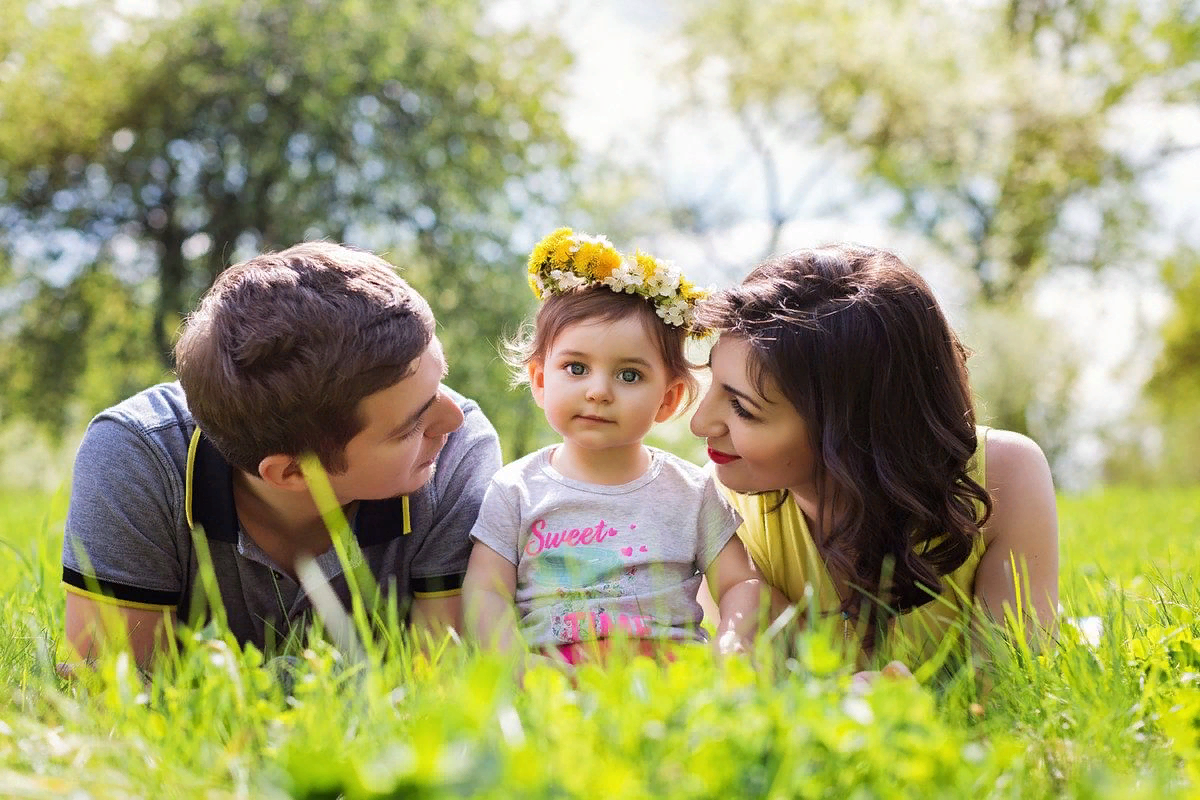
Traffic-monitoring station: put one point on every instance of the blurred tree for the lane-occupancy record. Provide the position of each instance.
(150, 152)
(1023, 375)
(75, 347)
(1175, 385)
(1013, 135)
(1009, 130)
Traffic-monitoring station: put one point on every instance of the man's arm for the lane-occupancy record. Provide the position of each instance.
(464, 471)
(435, 616)
(121, 569)
(94, 627)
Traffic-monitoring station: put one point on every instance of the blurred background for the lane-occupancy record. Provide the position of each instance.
(1037, 160)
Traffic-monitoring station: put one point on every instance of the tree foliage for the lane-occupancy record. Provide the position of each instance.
(1003, 127)
(1174, 388)
(146, 154)
(1176, 381)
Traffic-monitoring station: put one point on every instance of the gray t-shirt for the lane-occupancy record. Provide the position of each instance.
(128, 538)
(595, 561)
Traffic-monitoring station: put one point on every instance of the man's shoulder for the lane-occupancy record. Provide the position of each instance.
(471, 455)
(157, 407)
(157, 417)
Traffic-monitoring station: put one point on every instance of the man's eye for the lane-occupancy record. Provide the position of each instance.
(575, 368)
(629, 376)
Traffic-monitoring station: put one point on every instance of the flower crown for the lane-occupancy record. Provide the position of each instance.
(566, 260)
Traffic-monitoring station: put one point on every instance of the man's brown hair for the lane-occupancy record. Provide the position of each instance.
(283, 347)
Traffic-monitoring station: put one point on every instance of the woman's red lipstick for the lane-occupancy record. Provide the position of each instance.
(717, 457)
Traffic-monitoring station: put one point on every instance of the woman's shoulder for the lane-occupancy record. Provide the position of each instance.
(1018, 477)
(1009, 453)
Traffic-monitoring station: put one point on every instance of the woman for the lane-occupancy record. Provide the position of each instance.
(840, 419)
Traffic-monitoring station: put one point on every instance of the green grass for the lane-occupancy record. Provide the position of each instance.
(1117, 718)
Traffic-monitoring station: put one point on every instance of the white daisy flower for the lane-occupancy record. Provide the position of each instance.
(673, 313)
(582, 238)
(567, 280)
(625, 278)
(665, 281)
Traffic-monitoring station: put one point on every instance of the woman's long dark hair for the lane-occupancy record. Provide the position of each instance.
(857, 343)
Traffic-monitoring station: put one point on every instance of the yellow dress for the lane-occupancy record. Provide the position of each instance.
(778, 539)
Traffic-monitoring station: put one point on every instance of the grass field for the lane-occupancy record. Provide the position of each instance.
(1113, 711)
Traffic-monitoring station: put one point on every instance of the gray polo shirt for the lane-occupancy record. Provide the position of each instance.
(129, 542)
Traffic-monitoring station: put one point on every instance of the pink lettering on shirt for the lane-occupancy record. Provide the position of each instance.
(586, 625)
(541, 539)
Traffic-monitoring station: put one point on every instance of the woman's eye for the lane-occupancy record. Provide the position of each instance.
(629, 376)
(739, 409)
(575, 368)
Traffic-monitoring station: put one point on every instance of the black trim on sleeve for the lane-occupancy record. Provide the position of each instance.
(119, 591)
(438, 583)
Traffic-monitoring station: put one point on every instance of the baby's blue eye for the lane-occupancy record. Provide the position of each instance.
(575, 368)
(628, 376)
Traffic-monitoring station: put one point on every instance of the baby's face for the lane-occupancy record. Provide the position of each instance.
(604, 384)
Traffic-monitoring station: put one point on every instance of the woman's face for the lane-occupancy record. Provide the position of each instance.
(758, 442)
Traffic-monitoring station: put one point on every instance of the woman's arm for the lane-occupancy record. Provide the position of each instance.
(1022, 532)
(489, 590)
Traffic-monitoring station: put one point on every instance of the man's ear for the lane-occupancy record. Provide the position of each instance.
(537, 381)
(670, 403)
(282, 472)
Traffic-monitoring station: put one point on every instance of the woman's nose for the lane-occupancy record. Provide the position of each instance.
(704, 422)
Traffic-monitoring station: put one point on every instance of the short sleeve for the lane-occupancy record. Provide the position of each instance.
(498, 525)
(464, 470)
(717, 524)
(120, 543)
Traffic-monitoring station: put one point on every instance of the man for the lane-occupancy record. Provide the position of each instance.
(318, 349)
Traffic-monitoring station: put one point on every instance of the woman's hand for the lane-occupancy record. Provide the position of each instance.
(895, 670)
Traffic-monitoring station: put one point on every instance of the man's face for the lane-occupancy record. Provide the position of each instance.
(406, 426)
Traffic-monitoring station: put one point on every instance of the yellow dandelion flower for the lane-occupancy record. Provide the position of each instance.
(596, 260)
(534, 286)
(545, 249)
(604, 263)
(562, 256)
(536, 259)
(583, 255)
(690, 292)
(648, 264)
